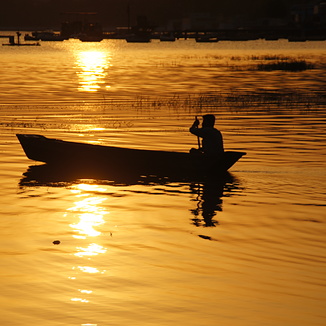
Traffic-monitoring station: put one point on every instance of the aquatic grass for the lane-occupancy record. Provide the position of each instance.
(266, 57)
(292, 65)
(269, 57)
(86, 118)
(271, 63)
(264, 101)
(267, 63)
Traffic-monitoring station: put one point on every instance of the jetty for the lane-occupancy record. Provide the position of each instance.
(12, 42)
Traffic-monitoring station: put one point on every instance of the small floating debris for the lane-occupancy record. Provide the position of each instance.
(56, 242)
(206, 237)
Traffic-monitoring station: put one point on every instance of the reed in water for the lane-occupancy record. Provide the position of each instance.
(197, 103)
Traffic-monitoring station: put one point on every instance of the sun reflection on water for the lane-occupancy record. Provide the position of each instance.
(88, 269)
(89, 211)
(92, 250)
(79, 300)
(92, 68)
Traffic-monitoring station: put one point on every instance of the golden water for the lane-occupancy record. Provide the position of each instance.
(146, 253)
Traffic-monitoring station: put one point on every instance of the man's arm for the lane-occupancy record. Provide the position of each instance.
(194, 128)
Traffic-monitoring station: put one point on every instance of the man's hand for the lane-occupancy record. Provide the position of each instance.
(196, 122)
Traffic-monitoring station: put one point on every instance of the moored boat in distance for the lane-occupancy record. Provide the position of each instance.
(141, 162)
(167, 37)
(90, 38)
(139, 37)
(44, 36)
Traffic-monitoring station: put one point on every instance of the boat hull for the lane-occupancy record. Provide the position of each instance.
(97, 157)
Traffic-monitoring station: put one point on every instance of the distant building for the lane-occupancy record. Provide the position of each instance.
(320, 12)
(200, 21)
(309, 15)
(80, 23)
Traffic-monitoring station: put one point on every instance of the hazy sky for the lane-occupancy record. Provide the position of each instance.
(47, 13)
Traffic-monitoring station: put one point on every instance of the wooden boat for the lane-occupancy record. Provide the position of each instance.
(89, 157)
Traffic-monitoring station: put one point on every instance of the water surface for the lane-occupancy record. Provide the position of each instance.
(247, 250)
(74, 71)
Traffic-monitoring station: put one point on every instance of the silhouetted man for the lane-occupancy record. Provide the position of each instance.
(212, 140)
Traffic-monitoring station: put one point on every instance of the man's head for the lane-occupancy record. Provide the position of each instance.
(208, 120)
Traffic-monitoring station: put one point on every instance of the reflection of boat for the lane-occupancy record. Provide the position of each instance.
(208, 192)
(55, 175)
(50, 175)
(97, 157)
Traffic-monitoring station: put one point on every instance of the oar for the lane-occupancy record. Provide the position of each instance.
(198, 139)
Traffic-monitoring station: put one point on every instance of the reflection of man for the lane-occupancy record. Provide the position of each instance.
(209, 202)
(212, 140)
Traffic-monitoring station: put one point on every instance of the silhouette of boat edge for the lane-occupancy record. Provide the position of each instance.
(89, 160)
